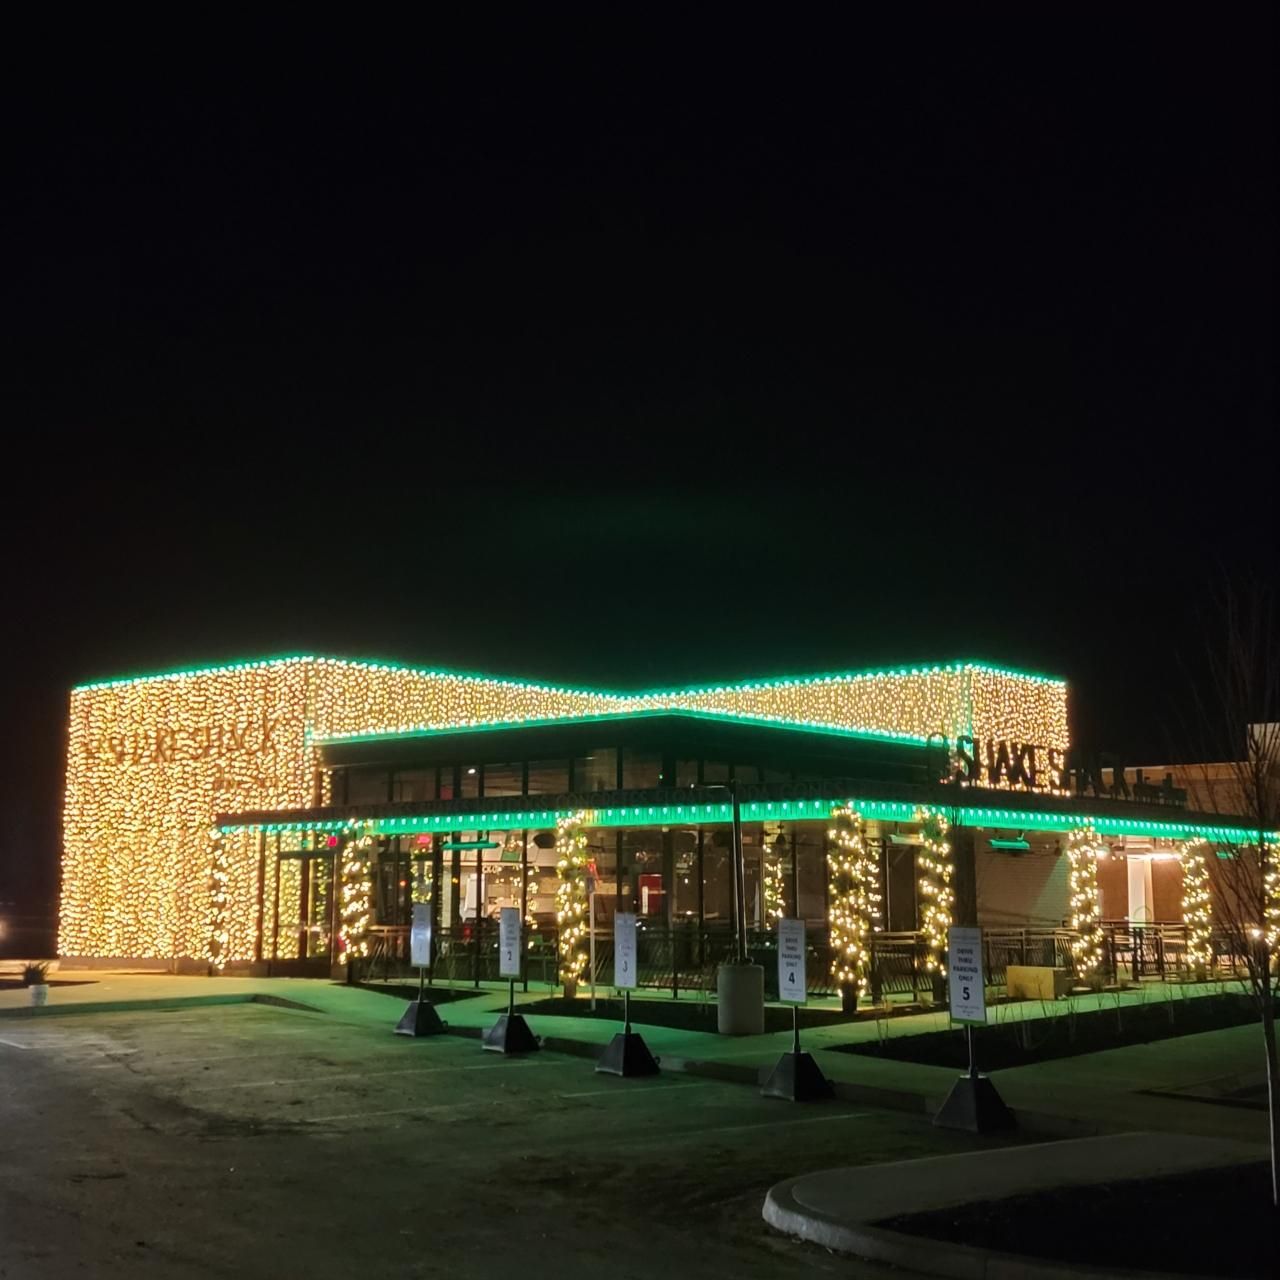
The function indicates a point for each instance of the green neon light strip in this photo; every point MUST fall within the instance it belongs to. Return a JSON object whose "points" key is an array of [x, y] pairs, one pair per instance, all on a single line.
{"points": [[754, 811], [800, 726], [848, 677], [218, 668], [222, 668]]}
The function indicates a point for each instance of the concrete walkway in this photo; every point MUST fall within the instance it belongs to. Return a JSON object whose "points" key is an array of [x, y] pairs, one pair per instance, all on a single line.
{"points": [[1068, 1097], [839, 1208]]}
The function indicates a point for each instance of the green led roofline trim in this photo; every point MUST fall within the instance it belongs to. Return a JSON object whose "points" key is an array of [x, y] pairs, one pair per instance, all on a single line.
{"points": [[367, 664], [223, 668], [799, 726], [847, 677], [754, 811], [218, 668]]}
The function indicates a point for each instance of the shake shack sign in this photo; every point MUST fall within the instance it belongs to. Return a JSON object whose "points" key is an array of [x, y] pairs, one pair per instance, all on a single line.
{"points": [[1003, 762]]}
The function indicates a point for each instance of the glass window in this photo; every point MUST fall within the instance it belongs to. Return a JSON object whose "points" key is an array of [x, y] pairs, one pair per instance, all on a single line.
{"points": [[686, 773], [542, 876], [747, 773], [641, 769], [717, 875], [753, 868], [548, 777], [642, 885], [414, 784], [776, 776], [602, 847], [811, 872], [470, 781], [448, 788], [597, 771], [684, 884], [504, 779], [367, 786]]}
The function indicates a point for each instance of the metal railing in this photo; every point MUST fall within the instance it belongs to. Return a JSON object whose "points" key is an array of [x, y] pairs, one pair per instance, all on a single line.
{"points": [[683, 958]]}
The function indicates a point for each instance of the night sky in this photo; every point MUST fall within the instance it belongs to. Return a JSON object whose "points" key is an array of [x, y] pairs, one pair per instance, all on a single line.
{"points": [[635, 355]]}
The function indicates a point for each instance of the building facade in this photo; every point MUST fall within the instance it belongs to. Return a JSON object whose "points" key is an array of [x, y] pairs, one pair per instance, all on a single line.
{"points": [[289, 813]]}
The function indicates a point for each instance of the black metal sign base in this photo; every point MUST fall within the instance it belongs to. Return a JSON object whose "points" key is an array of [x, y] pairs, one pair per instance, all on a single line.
{"points": [[510, 1034], [420, 1019], [627, 1055], [974, 1104], [797, 1078]]}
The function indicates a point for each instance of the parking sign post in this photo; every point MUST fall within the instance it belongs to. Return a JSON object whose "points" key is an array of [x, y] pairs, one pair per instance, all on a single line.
{"points": [[626, 1054], [973, 1102], [796, 1077], [510, 1034], [420, 1018]]}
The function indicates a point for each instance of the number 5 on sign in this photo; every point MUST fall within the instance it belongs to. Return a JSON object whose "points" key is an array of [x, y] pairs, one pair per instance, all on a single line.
{"points": [[624, 950], [792, 988], [964, 975]]}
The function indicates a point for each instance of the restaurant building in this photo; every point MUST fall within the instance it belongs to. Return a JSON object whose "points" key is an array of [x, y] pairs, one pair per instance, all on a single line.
{"points": [[285, 816]]}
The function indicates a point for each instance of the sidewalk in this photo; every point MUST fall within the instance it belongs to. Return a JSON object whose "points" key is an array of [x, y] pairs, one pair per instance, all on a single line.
{"points": [[1068, 1097], [839, 1208]]}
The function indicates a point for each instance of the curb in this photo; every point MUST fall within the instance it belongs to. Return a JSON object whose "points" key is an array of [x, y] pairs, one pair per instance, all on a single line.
{"points": [[921, 1254], [160, 1004]]}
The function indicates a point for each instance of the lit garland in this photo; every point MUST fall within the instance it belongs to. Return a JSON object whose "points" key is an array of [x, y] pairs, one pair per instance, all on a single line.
{"points": [[216, 952], [775, 891], [1197, 903], [357, 912], [933, 861], [1271, 898], [853, 898], [571, 896], [152, 760], [1083, 849]]}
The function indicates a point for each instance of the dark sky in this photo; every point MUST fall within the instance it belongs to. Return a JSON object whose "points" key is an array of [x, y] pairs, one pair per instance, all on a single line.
{"points": [[635, 355]]}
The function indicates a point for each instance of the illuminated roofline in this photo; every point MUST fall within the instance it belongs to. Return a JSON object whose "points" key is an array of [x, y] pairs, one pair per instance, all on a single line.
{"points": [[376, 664], [755, 811], [536, 722]]}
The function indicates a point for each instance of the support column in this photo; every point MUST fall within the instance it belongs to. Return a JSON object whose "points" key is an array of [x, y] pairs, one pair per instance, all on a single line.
{"points": [[964, 876]]}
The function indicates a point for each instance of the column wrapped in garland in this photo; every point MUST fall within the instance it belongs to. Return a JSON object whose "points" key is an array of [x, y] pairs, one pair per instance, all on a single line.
{"points": [[356, 903], [775, 894], [571, 898], [937, 897], [1197, 903], [219, 935], [853, 906], [1084, 846]]}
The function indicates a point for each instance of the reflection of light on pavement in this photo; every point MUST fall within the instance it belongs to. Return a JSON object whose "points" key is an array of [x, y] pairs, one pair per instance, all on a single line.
{"points": [[4, 927]]}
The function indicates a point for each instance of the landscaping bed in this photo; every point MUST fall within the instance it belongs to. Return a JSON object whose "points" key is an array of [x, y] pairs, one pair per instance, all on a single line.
{"points": [[1216, 1222], [434, 995], [1064, 1034], [680, 1015]]}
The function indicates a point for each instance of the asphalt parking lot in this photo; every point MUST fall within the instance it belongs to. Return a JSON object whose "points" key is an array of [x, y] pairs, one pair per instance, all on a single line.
{"points": [[248, 1140]]}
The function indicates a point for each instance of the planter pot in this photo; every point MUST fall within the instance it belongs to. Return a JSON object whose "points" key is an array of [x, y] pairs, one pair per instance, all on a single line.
{"points": [[39, 993]]}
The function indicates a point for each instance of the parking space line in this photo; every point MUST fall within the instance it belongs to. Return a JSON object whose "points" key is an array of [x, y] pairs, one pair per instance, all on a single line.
{"points": [[13, 1044], [743, 1128], [607, 1092], [372, 1075]]}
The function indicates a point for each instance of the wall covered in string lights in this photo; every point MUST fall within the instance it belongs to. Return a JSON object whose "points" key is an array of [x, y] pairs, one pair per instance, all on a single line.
{"points": [[152, 759]]}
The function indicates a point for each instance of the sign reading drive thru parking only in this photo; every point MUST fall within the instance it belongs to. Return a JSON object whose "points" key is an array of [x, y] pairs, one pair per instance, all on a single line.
{"points": [[509, 942], [791, 983], [964, 975]]}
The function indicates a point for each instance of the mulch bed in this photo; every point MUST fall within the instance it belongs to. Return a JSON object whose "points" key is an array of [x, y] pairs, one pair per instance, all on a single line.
{"points": [[1064, 1034], [1217, 1222]]}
